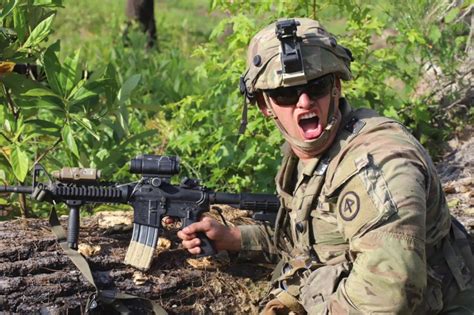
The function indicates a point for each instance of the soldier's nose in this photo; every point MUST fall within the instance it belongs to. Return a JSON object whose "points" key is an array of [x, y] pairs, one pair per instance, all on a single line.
{"points": [[304, 101]]}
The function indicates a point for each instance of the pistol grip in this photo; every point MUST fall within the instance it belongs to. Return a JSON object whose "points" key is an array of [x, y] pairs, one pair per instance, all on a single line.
{"points": [[206, 246]]}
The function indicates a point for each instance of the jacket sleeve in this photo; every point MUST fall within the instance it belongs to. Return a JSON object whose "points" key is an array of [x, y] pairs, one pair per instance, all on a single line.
{"points": [[257, 243], [381, 212]]}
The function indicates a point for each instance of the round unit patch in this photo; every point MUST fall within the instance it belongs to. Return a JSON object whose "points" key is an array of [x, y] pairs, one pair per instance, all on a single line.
{"points": [[349, 206]]}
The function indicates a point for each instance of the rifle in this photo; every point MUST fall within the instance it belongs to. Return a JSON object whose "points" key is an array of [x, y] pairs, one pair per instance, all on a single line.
{"points": [[153, 197]]}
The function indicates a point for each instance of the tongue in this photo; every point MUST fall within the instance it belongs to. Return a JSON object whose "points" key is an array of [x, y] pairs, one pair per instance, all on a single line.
{"points": [[311, 128]]}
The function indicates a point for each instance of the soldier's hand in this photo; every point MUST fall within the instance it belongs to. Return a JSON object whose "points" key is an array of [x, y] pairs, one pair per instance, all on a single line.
{"points": [[222, 237]]}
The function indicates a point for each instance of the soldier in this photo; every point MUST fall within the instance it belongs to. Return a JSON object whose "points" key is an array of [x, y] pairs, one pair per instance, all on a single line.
{"points": [[364, 226]]}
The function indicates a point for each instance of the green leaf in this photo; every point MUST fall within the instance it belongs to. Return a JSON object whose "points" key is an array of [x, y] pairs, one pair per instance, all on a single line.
{"points": [[7, 126], [452, 14], [391, 112], [86, 124], [150, 107], [121, 125], [177, 84], [48, 3], [89, 91], [435, 34], [69, 140], [140, 136], [7, 9], [40, 92], [40, 32], [52, 68], [18, 83], [20, 23], [44, 127], [128, 87], [52, 104], [19, 130], [70, 74], [20, 163]]}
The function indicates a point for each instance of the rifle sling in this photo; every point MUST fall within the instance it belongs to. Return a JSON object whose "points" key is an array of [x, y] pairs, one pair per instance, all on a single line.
{"points": [[111, 297]]}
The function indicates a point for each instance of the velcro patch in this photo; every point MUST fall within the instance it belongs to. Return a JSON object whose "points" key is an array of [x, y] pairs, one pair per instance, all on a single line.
{"points": [[349, 206], [358, 206]]}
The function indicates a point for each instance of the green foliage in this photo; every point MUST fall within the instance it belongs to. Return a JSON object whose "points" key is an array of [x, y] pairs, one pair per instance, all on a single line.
{"points": [[67, 119], [390, 47], [182, 98]]}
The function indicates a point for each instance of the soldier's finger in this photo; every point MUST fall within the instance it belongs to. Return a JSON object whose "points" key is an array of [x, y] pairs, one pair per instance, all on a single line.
{"points": [[191, 243], [185, 236], [195, 228], [195, 250]]}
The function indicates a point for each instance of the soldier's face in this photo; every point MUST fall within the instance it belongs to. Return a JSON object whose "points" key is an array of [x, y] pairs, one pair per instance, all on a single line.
{"points": [[306, 119]]}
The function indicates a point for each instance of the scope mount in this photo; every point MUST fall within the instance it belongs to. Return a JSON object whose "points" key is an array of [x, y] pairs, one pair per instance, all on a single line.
{"points": [[290, 53]]}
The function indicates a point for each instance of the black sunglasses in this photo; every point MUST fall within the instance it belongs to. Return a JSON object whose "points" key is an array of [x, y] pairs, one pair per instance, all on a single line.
{"points": [[315, 89]]}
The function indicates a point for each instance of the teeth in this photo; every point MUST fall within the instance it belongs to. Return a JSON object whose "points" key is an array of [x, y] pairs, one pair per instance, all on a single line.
{"points": [[308, 115]]}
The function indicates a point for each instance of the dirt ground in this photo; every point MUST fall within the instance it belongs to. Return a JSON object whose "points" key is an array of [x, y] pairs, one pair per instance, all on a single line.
{"points": [[456, 170], [38, 278]]}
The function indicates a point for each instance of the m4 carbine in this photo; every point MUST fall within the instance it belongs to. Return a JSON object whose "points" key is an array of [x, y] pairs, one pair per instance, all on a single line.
{"points": [[153, 197]]}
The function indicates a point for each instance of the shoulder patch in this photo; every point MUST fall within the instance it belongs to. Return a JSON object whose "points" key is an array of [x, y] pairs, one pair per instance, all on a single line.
{"points": [[364, 201], [349, 206]]}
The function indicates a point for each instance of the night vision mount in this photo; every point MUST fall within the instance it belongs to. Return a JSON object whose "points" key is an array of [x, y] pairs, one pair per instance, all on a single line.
{"points": [[290, 53]]}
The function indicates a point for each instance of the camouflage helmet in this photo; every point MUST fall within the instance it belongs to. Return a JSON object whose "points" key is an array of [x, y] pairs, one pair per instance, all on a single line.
{"points": [[321, 55]]}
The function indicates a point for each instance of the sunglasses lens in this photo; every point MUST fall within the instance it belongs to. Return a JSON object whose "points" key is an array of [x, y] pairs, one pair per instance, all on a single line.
{"points": [[289, 96], [284, 96], [318, 89]]}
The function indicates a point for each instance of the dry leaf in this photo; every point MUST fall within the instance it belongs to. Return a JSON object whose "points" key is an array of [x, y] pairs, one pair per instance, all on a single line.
{"points": [[462, 189], [449, 188], [202, 263], [139, 278], [115, 220], [210, 262], [163, 244], [453, 202], [467, 181], [88, 250]]}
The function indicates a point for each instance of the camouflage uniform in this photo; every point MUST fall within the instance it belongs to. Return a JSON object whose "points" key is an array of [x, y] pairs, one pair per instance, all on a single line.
{"points": [[365, 226]]}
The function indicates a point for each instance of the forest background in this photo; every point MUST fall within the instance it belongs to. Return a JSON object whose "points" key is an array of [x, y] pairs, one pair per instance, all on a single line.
{"points": [[104, 99]]}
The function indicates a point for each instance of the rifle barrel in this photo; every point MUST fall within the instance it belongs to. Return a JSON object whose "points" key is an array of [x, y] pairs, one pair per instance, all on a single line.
{"points": [[16, 189], [249, 201]]}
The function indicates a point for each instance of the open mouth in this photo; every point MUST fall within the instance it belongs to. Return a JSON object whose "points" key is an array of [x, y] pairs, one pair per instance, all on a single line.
{"points": [[310, 126]]}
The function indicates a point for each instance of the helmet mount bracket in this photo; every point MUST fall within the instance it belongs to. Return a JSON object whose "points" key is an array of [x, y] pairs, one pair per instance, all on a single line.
{"points": [[290, 53]]}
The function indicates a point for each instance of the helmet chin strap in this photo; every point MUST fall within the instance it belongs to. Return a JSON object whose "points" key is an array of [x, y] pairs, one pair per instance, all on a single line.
{"points": [[311, 146]]}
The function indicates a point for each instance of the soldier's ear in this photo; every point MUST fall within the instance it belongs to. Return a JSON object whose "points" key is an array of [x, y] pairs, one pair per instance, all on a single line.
{"points": [[262, 105], [336, 89], [338, 85]]}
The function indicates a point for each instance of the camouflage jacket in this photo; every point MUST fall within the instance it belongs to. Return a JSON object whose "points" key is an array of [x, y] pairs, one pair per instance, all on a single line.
{"points": [[370, 222]]}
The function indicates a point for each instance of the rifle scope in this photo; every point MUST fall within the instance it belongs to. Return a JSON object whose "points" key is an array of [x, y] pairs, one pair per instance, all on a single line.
{"points": [[149, 164]]}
